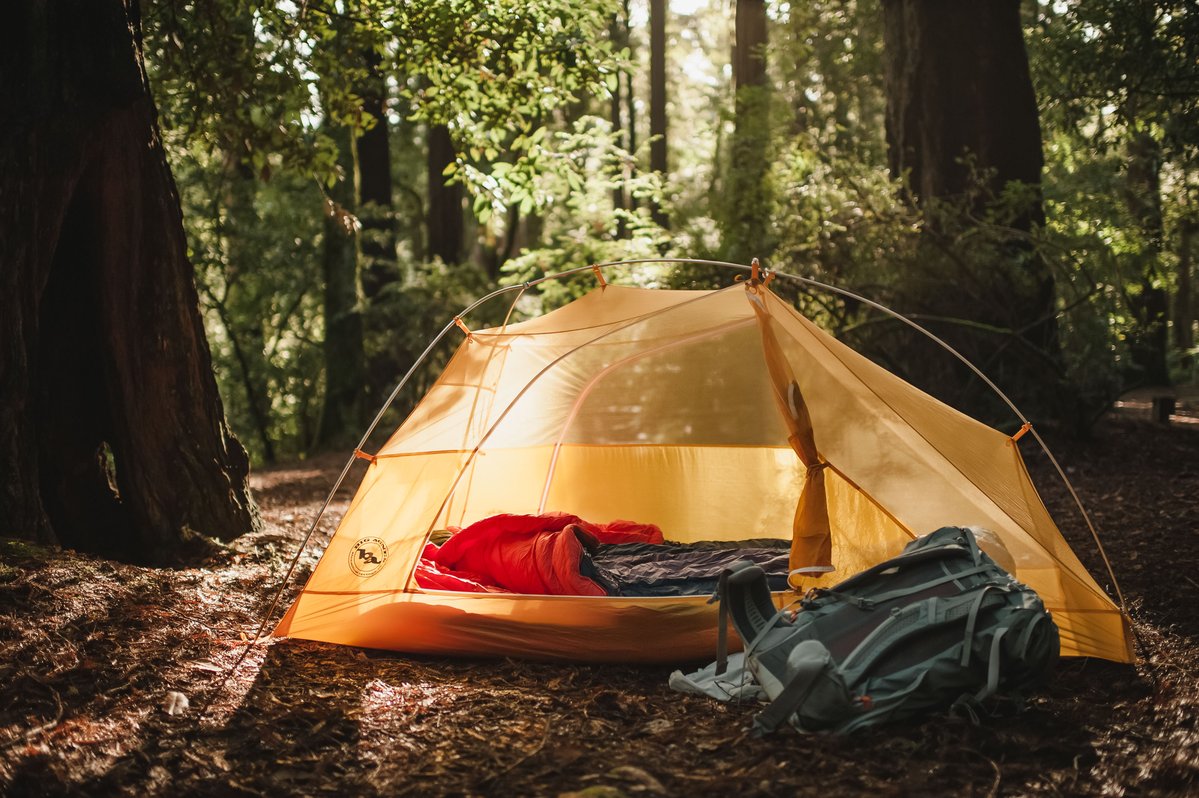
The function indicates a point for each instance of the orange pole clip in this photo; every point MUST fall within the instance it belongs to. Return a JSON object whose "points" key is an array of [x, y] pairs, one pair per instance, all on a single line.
{"points": [[755, 271], [361, 455], [462, 326], [1022, 431], [599, 275]]}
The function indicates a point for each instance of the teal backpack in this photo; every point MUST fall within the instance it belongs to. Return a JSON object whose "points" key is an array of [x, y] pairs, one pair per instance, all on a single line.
{"points": [[939, 627]]}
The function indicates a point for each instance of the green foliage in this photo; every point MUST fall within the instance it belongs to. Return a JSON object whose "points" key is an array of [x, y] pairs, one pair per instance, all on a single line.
{"points": [[402, 320], [1119, 89], [253, 97], [578, 170], [254, 260], [828, 55], [842, 219]]}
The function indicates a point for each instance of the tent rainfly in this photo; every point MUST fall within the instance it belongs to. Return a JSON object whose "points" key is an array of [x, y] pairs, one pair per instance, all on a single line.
{"points": [[717, 415]]}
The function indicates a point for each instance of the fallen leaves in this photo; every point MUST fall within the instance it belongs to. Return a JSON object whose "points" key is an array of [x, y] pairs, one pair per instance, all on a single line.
{"points": [[89, 651]]}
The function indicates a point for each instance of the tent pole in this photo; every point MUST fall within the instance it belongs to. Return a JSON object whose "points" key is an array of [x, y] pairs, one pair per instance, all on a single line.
{"points": [[266, 616], [597, 269], [940, 342], [987, 380]]}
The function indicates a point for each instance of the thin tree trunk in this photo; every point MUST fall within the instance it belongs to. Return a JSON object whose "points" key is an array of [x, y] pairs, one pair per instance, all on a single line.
{"points": [[630, 99], [375, 209], [112, 433], [342, 416], [747, 198], [618, 35], [1184, 309], [657, 96], [239, 311], [1150, 340], [445, 220]]}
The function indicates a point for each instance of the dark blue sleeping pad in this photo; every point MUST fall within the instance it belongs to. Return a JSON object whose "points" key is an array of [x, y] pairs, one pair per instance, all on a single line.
{"points": [[941, 625]]}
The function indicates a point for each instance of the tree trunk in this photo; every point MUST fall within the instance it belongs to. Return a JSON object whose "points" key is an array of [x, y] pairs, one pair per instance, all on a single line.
{"points": [[445, 199], [960, 98], [375, 208], [630, 99], [1150, 341], [618, 35], [342, 416], [112, 433], [239, 308], [1184, 309], [747, 198], [962, 128], [657, 96]]}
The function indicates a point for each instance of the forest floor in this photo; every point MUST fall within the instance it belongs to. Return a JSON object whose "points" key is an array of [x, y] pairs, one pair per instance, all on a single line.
{"points": [[90, 650]]}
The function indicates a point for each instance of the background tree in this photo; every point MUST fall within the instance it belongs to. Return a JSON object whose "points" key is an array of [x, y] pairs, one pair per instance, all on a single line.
{"points": [[343, 414], [963, 133], [1123, 81], [657, 95], [749, 193], [445, 215], [376, 208], [112, 434]]}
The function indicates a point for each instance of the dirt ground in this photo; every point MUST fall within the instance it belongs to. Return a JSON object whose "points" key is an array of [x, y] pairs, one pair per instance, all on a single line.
{"points": [[90, 651]]}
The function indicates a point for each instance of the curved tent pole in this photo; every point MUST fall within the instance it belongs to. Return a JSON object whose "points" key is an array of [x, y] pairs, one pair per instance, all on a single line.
{"points": [[990, 384], [965, 361], [941, 343], [597, 268], [451, 324], [266, 616]]}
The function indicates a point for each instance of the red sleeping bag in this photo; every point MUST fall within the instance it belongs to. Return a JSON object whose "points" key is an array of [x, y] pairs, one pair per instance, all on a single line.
{"points": [[536, 554]]}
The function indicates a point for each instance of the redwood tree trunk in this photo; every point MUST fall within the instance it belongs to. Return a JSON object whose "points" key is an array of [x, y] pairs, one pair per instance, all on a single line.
{"points": [[747, 199], [343, 412], [657, 95], [112, 433], [445, 200], [1149, 342], [958, 87], [375, 209], [962, 127]]}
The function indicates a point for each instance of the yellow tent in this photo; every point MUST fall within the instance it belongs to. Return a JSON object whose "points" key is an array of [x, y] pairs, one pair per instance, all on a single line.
{"points": [[717, 415]]}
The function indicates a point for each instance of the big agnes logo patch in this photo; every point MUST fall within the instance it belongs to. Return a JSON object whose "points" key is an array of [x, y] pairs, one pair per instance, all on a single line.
{"points": [[367, 556]]}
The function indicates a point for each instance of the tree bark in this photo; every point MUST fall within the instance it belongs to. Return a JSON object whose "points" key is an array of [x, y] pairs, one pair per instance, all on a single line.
{"points": [[748, 194], [112, 433], [658, 161], [342, 415], [375, 209], [618, 35], [445, 219], [962, 128], [630, 99], [959, 98]]}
